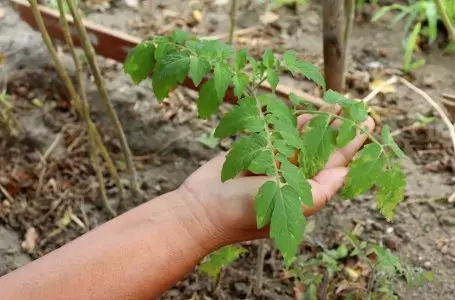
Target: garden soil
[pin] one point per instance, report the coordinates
(55, 201)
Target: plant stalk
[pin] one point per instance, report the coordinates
(349, 14)
(445, 19)
(333, 26)
(90, 53)
(94, 146)
(233, 20)
(259, 268)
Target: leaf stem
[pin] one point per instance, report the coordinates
(259, 268)
(445, 19)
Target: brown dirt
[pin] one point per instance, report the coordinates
(164, 136)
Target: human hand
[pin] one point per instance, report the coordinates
(229, 206)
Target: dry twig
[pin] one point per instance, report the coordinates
(91, 57)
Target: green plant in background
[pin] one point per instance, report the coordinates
(274, 4)
(270, 137)
(415, 14)
(352, 266)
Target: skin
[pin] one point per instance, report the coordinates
(143, 252)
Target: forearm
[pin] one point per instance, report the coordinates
(135, 256)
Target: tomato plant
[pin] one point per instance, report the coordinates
(268, 127)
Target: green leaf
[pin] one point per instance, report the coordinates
(222, 80)
(311, 72)
(240, 59)
(218, 259)
(244, 116)
(346, 133)
(357, 111)
(363, 171)
(296, 179)
(296, 100)
(333, 97)
(199, 67)
(388, 140)
(140, 61)
(180, 36)
(264, 203)
(287, 222)
(287, 129)
(240, 82)
(392, 184)
(242, 154)
(318, 143)
(387, 261)
(282, 147)
(269, 58)
(289, 58)
(432, 17)
(264, 163)
(168, 72)
(272, 79)
(208, 102)
(411, 43)
(163, 47)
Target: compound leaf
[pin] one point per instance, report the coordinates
(222, 80)
(241, 59)
(218, 259)
(240, 82)
(168, 72)
(392, 184)
(268, 58)
(243, 152)
(264, 163)
(199, 67)
(180, 36)
(244, 115)
(207, 103)
(346, 133)
(140, 61)
(296, 179)
(318, 143)
(287, 222)
(311, 72)
(264, 203)
(363, 171)
(272, 79)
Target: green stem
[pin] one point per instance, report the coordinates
(445, 19)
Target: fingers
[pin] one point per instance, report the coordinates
(324, 186)
(342, 156)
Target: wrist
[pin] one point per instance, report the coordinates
(201, 222)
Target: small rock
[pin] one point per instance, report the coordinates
(427, 265)
(383, 52)
(374, 65)
(429, 80)
(6, 204)
(31, 237)
(390, 230)
(391, 243)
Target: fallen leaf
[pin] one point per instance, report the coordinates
(268, 17)
(29, 243)
(37, 102)
(197, 15)
(2, 57)
(385, 89)
(353, 274)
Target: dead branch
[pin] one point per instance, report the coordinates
(233, 20)
(349, 15)
(91, 57)
(333, 26)
(436, 107)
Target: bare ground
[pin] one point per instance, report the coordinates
(163, 138)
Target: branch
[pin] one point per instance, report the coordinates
(259, 268)
(349, 15)
(233, 20)
(445, 19)
(333, 26)
(92, 132)
(90, 53)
